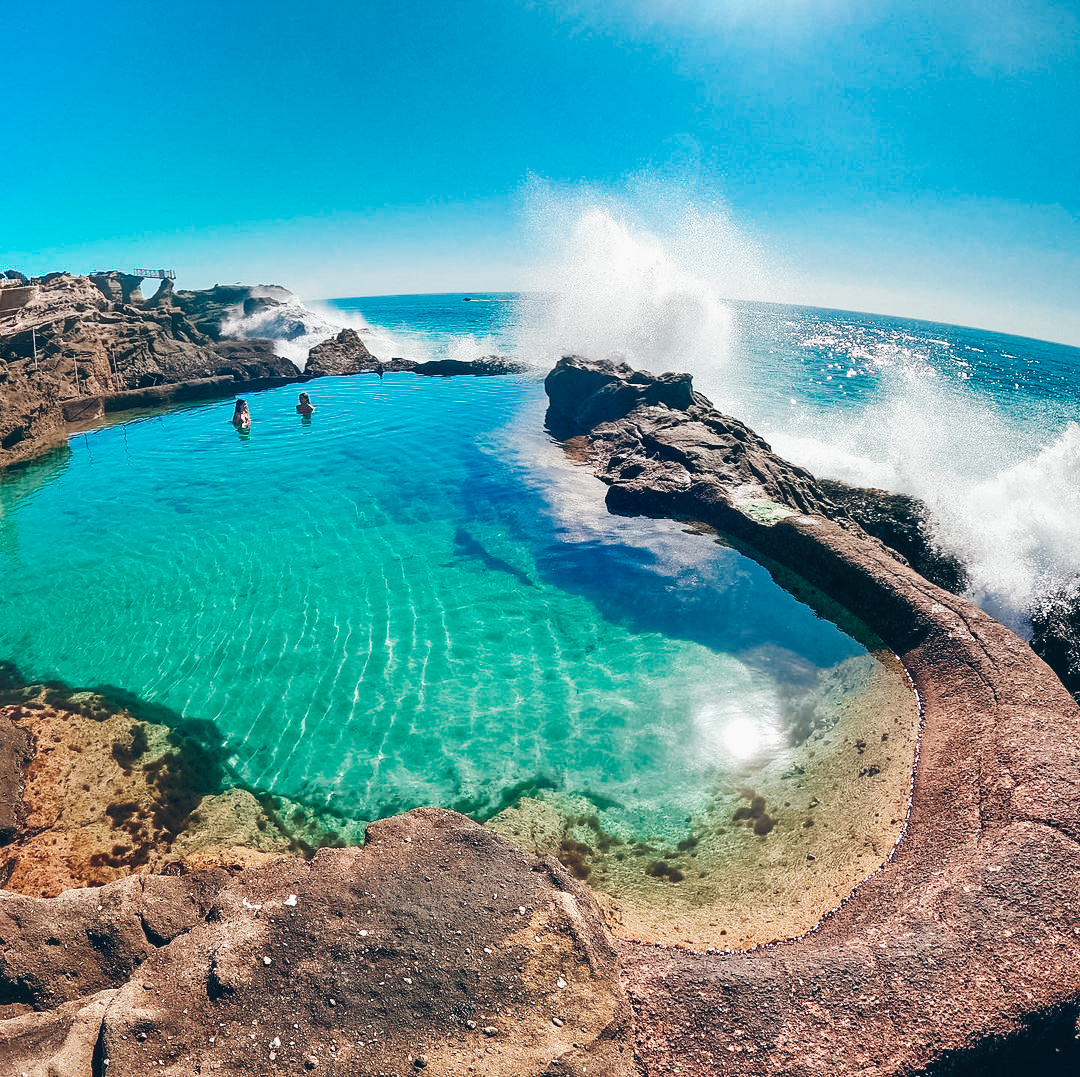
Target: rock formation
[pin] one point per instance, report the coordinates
(209, 309)
(344, 354)
(487, 366)
(903, 523)
(435, 948)
(971, 931)
(80, 341)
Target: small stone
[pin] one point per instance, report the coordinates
(408, 979)
(521, 910)
(470, 1024)
(490, 1030)
(267, 961)
(556, 1022)
(561, 982)
(273, 1056)
(310, 1062)
(420, 1061)
(290, 900)
(140, 1036)
(332, 1002)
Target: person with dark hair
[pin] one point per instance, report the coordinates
(305, 407)
(241, 416)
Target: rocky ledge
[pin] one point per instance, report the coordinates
(971, 931)
(437, 947)
(73, 347)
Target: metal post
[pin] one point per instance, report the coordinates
(33, 337)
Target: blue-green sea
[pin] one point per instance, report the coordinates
(416, 597)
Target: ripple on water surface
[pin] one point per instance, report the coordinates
(415, 598)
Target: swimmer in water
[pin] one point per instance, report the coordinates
(241, 416)
(305, 407)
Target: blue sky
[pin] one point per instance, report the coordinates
(869, 154)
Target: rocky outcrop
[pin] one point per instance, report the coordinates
(656, 441)
(31, 416)
(95, 337)
(971, 931)
(210, 308)
(903, 523)
(435, 948)
(253, 360)
(344, 354)
(488, 366)
(77, 345)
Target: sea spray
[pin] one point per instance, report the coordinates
(999, 484)
(974, 424)
(640, 277)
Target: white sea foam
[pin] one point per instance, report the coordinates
(1004, 495)
(296, 327)
(629, 283)
(640, 279)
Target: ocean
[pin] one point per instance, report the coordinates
(981, 426)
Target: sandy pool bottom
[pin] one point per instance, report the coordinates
(778, 846)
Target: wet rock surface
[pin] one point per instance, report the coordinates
(1056, 637)
(903, 523)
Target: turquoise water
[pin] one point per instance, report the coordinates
(414, 598)
(983, 427)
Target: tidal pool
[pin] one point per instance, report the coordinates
(418, 598)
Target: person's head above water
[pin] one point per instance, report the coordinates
(305, 407)
(241, 414)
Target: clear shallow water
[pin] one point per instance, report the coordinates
(412, 599)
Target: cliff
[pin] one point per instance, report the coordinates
(69, 344)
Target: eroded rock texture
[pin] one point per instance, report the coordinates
(77, 345)
(436, 947)
(344, 354)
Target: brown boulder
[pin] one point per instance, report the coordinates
(344, 354)
(436, 947)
